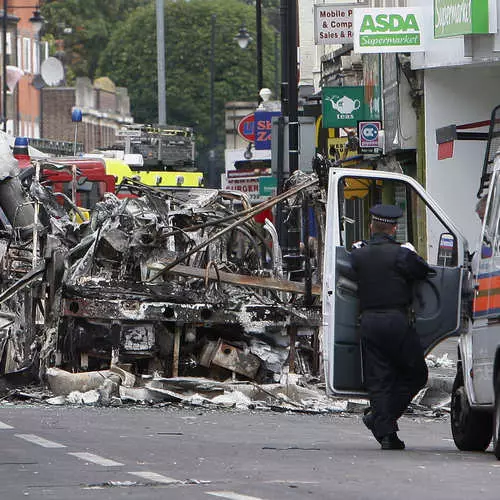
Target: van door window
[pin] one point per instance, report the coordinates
(419, 225)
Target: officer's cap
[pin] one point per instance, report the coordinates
(389, 214)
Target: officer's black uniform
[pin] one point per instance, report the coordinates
(393, 360)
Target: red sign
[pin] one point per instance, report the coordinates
(445, 150)
(246, 127)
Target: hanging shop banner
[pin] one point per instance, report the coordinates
(333, 24)
(371, 78)
(342, 106)
(263, 128)
(392, 107)
(388, 30)
(464, 17)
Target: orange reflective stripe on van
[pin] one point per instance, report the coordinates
(487, 298)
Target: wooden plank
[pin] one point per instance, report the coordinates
(244, 280)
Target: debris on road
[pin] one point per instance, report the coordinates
(440, 362)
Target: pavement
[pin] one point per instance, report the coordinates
(442, 363)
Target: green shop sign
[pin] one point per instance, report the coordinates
(388, 30)
(342, 106)
(461, 17)
(267, 186)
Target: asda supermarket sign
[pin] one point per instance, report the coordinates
(388, 30)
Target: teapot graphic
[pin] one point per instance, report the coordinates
(344, 105)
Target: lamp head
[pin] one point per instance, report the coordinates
(243, 38)
(37, 21)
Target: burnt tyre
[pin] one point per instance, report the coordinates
(496, 419)
(471, 429)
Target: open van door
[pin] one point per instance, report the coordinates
(438, 299)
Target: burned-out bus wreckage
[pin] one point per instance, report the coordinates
(157, 283)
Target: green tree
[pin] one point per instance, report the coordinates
(130, 61)
(85, 26)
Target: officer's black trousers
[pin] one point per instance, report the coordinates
(394, 366)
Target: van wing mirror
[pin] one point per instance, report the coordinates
(447, 252)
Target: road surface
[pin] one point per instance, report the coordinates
(194, 453)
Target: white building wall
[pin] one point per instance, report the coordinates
(308, 50)
(458, 96)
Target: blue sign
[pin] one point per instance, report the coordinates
(76, 115)
(262, 128)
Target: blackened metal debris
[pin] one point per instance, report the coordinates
(165, 282)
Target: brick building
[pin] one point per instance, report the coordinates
(23, 55)
(105, 108)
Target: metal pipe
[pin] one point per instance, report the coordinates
(307, 253)
(211, 153)
(260, 76)
(35, 219)
(293, 121)
(4, 66)
(276, 64)
(280, 179)
(284, 56)
(292, 257)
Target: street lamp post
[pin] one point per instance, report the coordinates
(211, 153)
(243, 38)
(4, 67)
(258, 24)
(160, 50)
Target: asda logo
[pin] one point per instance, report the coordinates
(389, 23)
(389, 29)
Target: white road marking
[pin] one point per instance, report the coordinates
(153, 476)
(96, 459)
(32, 438)
(5, 426)
(230, 495)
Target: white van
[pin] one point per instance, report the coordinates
(457, 300)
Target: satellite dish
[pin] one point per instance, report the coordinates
(52, 71)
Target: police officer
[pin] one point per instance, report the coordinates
(393, 359)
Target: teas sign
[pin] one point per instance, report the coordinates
(333, 24)
(388, 30)
(342, 106)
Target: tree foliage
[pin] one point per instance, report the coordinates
(85, 26)
(129, 60)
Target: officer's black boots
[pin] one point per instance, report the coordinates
(392, 442)
(368, 421)
(389, 441)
